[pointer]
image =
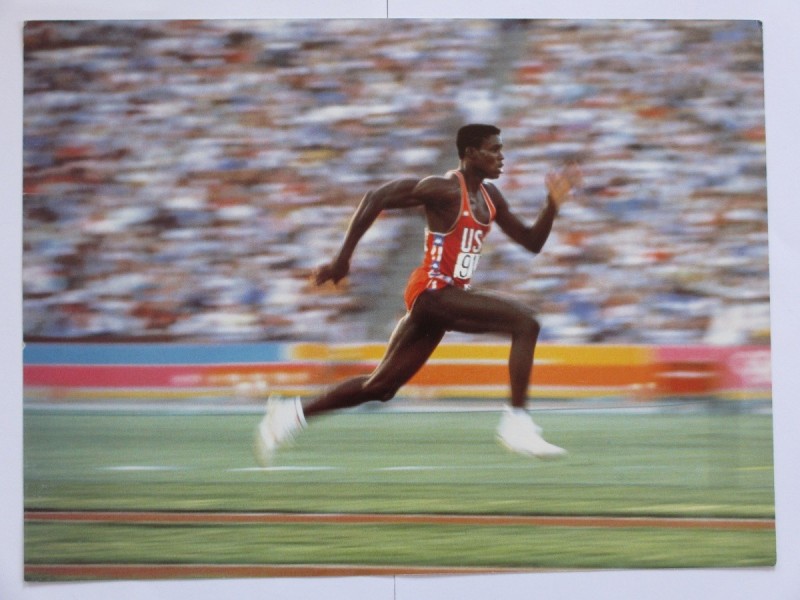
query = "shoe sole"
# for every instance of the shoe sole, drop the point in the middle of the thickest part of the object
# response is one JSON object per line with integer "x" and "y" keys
{"x": 560, "y": 453}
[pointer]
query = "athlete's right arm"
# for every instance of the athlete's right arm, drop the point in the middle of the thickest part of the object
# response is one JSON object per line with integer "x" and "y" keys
{"x": 400, "y": 193}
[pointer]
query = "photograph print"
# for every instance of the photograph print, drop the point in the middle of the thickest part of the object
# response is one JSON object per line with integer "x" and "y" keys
{"x": 351, "y": 297}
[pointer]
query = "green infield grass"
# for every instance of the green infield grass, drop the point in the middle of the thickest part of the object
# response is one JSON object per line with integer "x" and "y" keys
{"x": 703, "y": 465}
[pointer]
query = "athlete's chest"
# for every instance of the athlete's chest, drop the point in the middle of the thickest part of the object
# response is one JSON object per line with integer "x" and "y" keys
{"x": 459, "y": 210}
{"x": 478, "y": 207}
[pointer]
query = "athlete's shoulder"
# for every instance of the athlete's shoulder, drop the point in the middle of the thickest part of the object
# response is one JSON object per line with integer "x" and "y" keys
{"x": 491, "y": 188}
{"x": 494, "y": 193}
{"x": 437, "y": 186}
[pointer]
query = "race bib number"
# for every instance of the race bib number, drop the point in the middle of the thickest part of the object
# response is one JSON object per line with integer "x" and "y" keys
{"x": 466, "y": 263}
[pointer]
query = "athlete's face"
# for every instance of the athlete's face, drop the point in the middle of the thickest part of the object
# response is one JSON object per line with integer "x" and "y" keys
{"x": 489, "y": 157}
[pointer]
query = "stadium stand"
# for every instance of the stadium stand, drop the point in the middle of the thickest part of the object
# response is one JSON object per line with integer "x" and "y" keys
{"x": 182, "y": 178}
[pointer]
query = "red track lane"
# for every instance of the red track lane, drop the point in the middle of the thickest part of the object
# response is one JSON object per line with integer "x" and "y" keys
{"x": 199, "y": 518}
{"x": 214, "y": 571}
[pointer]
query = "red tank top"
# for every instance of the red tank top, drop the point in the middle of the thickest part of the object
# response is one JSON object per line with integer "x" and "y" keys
{"x": 451, "y": 257}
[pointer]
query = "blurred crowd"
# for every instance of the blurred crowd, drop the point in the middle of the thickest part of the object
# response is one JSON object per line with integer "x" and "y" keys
{"x": 183, "y": 178}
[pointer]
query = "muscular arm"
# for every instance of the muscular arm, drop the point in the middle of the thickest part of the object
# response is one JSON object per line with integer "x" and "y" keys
{"x": 533, "y": 237}
{"x": 400, "y": 193}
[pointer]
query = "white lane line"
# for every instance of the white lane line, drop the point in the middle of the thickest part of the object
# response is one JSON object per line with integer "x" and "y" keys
{"x": 142, "y": 468}
{"x": 288, "y": 468}
{"x": 398, "y": 468}
{"x": 308, "y": 468}
{"x": 412, "y": 468}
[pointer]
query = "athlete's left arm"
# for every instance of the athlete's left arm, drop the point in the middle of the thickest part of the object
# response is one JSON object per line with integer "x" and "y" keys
{"x": 533, "y": 237}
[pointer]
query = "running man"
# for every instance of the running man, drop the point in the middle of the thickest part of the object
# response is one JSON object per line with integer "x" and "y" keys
{"x": 459, "y": 208}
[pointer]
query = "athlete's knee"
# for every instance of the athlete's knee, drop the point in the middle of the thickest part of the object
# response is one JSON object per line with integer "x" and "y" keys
{"x": 386, "y": 393}
{"x": 527, "y": 323}
{"x": 382, "y": 390}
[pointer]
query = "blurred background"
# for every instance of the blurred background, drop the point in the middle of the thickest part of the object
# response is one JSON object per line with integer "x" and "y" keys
{"x": 183, "y": 178}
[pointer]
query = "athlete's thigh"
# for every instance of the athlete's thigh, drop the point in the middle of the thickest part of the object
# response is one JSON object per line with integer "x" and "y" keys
{"x": 410, "y": 346}
{"x": 473, "y": 311}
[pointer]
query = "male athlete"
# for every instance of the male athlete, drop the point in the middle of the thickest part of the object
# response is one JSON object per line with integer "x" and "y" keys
{"x": 459, "y": 208}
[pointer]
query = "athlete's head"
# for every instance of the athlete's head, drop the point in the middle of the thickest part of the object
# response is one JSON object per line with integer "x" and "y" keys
{"x": 473, "y": 136}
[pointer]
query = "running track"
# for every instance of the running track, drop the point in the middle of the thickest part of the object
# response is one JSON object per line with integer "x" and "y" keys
{"x": 173, "y": 571}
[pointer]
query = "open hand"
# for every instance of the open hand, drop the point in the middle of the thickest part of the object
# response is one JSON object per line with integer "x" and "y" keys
{"x": 560, "y": 184}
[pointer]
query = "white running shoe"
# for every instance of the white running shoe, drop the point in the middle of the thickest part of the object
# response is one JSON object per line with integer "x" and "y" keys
{"x": 283, "y": 420}
{"x": 520, "y": 434}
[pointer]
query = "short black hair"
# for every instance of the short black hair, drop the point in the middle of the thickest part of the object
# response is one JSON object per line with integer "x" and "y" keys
{"x": 472, "y": 136}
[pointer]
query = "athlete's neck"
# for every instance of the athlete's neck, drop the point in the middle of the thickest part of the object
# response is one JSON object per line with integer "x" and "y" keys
{"x": 472, "y": 178}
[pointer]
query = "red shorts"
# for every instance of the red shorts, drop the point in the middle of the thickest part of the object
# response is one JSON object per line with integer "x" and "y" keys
{"x": 419, "y": 281}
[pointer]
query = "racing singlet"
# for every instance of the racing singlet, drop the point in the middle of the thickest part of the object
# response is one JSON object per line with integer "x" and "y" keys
{"x": 451, "y": 257}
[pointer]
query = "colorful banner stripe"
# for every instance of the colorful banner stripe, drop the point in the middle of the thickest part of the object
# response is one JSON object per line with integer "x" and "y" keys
{"x": 454, "y": 369}
{"x": 154, "y": 354}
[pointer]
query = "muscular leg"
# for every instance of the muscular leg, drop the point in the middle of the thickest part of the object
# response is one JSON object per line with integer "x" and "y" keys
{"x": 481, "y": 312}
{"x": 411, "y": 344}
